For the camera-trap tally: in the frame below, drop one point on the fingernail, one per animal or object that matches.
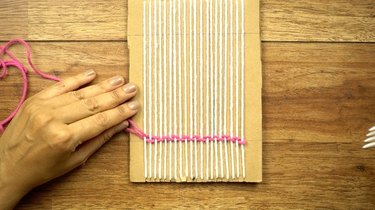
(133, 105)
(117, 80)
(89, 73)
(129, 88)
(123, 125)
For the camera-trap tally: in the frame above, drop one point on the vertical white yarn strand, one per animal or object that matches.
(243, 88)
(207, 88)
(237, 95)
(179, 87)
(174, 89)
(212, 87)
(185, 95)
(221, 111)
(201, 86)
(225, 87)
(150, 84)
(195, 89)
(165, 89)
(231, 88)
(170, 85)
(155, 93)
(215, 89)
(191, 86)
(160, 92)
(144, 88)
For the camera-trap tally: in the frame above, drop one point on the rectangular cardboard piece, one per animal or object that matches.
(253, 87)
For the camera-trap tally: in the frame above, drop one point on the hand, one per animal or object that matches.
(58, 129)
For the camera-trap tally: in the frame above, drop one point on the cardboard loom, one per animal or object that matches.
(253, 87)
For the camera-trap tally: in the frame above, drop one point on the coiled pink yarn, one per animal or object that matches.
(14, 62)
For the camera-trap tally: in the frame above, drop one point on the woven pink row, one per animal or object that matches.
(134, 129)
(14, 62)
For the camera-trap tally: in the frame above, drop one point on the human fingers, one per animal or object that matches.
(86, 150)
(87, 92)
(94, 125)
(90, 106)
(66, 85)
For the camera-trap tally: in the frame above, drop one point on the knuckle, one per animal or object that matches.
(122, 111)
(116, 95)
(75, 80)
(77, 94)
(62, 135)
(41, 118)
(102, 87)
(61, 139)
(106, 137)
(75, 146)
(91, 104)
(101, 119)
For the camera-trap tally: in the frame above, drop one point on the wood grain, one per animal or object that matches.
(320, 92)
(13, 26)
(318, 20)
(290, 20)
(318, 101)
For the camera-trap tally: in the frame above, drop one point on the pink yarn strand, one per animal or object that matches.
(14, 62)
(134, 129)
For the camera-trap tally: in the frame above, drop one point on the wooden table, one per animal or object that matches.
(318, 102)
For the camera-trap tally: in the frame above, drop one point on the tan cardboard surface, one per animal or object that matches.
(253, 85)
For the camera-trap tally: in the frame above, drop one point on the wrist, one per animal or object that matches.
(10, 193)
(9, 196)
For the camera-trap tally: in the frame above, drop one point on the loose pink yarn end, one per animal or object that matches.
(134, 129)
(14, 62)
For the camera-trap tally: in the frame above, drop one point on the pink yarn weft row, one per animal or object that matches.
(134, 129)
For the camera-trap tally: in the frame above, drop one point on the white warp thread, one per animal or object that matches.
(165, 87)
(191, 95)
(150, 84)
(243, 86)
(144, 88)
